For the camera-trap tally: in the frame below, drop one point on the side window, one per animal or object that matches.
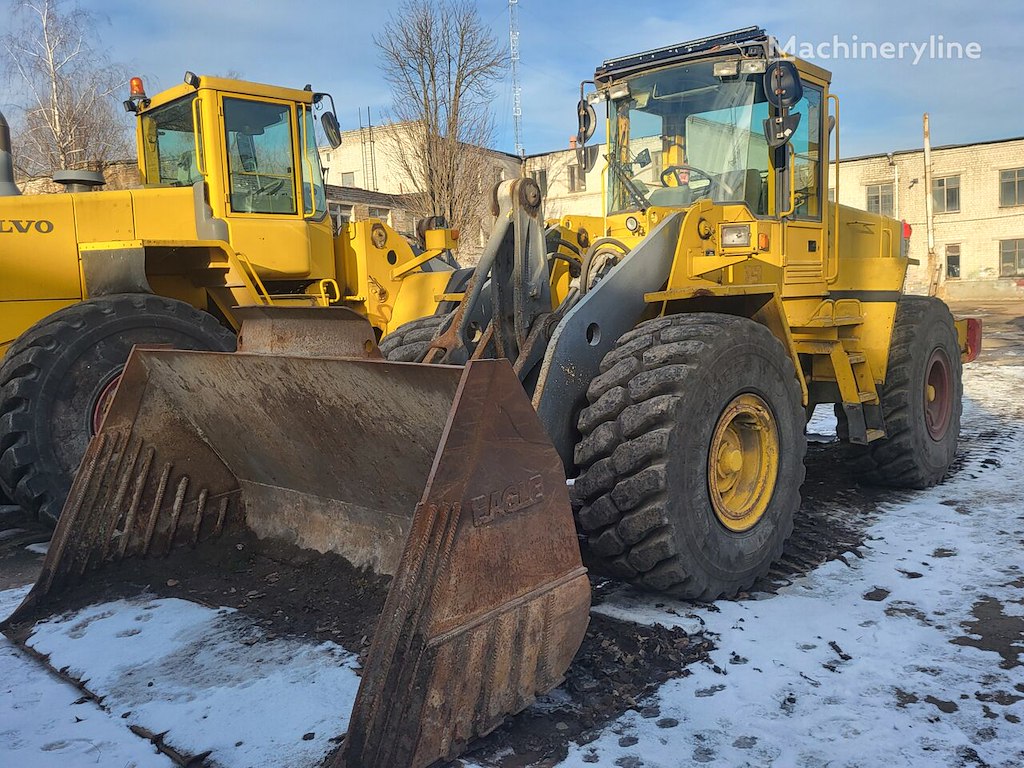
(806, 155)
(259, 141)
(169, 145)
(314, 196)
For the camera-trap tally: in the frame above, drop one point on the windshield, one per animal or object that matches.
(683, 135)
(169, 144)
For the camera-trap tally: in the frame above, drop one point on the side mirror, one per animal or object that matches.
(587, 121)
(782, 86)
(783, 89)
(331, 129)
(644, 158)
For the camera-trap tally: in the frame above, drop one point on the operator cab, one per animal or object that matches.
(723, 119)
(265, 140)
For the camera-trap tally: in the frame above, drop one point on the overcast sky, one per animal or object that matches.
(330, 45)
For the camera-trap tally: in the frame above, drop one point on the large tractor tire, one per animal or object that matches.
(409, 342)
(57, 379)
(922, 400)
(691, 457)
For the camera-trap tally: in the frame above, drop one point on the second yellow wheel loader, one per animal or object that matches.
(232, 212)
(663, 356)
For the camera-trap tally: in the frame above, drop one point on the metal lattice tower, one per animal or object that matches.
(517, 91)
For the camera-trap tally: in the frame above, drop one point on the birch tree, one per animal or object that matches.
(66, 93)
(442, 63)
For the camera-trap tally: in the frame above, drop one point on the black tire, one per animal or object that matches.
(643, 493)
(409, 342)
(911, 456)
(54, 376)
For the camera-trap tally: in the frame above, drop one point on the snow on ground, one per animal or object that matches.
(209, 676)
(872, 663)
(43, 725)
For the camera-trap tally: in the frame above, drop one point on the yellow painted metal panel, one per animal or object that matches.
(38, 253)
(18, 316)
(104, 216)
(164, 213)
(416, 297)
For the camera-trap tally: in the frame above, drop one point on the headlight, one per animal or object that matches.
(735, 235)
(726, 68)
(379, 235)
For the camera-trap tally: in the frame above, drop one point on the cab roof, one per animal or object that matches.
(750, 41)
(226, 85)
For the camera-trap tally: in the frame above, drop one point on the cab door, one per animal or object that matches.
(801, 200)
(263, 191)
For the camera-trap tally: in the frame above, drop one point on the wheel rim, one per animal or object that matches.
(102, 403)
(938, 394)
(743, 462)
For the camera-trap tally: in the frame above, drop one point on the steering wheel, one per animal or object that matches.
(272, 187)
(712, 181)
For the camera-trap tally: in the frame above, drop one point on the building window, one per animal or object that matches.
(541, 177)
(348, 179)
(1011, 187)
(1011, 258)
(577, 179)
(946, 194)
(880, 199)
(341, 215)
(953, 261)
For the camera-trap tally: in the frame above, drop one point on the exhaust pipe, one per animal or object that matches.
(7, 185)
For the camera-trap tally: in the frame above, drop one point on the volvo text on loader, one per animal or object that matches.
(232, 213)
(663, 356)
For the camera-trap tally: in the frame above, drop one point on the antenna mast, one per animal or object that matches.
(517, 91)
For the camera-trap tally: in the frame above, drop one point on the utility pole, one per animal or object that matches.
(517, 91)
(933, 266)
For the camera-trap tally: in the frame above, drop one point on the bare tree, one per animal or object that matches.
(66, 90)
(442, 62)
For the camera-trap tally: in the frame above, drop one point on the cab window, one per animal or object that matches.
(260, 160)
(169, 145)
(806, 155)
(314, 196)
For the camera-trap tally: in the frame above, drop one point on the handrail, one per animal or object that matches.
(197, 135)
(263, 295)
(791, 162)
(308, 164)
(833, 275)
(329, 287)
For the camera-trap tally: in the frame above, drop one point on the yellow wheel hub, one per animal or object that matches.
(743, 462)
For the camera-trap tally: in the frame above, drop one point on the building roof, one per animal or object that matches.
(938, 148)
(357, 195)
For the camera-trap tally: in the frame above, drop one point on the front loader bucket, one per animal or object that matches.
(441, 478)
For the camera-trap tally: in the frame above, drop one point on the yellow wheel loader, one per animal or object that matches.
(232, 213)
(662, 356)
(675, 346)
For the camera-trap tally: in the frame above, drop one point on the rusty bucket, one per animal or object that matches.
(440, 477)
